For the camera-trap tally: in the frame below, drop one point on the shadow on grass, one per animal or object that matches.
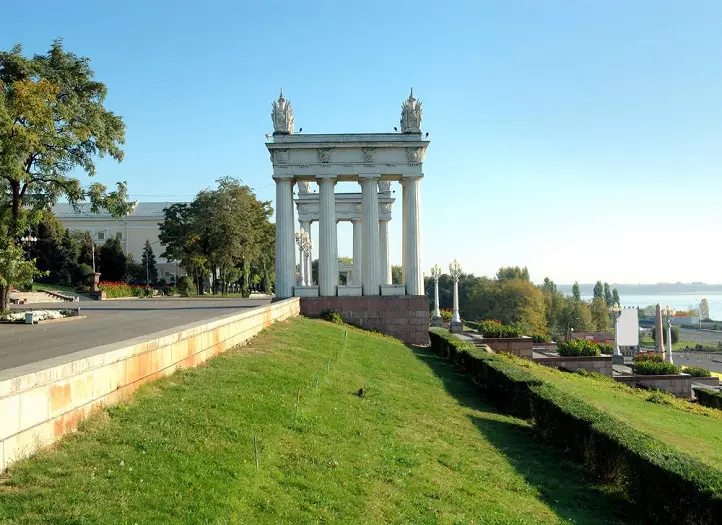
(562, 484)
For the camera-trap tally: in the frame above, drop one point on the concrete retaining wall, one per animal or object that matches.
(600, 365)
(42, 401)
(679, 385)
(404, 317)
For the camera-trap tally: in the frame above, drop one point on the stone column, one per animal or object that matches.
(327, 248)
(301, 267)
(370, 223)
(308, 281)
(404, 209)
(412, 229)
(285, 252)
(357, 251)
(385, 251)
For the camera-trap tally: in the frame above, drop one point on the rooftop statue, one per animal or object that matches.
(282, 116)
(411, 115)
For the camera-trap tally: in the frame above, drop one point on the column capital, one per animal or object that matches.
(368, 176)
(325, 177)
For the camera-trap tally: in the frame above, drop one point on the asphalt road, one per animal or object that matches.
(707, 337)
(107, 322)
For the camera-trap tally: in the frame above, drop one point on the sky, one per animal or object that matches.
(582, 139)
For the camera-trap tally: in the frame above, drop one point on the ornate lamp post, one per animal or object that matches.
(616, 312)
(301, 240)
(435, 274)
(307, 247)
(669, 314)
(455, 271)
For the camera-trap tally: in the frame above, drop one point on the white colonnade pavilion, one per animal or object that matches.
(373, 160)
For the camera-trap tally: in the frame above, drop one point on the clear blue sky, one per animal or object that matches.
(567, 136)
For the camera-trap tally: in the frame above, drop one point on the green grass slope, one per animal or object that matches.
(418, 447)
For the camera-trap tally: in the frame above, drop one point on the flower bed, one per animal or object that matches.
(578, 348)
(18, 316)
(115, 290)
(653, 368)
(697, 371)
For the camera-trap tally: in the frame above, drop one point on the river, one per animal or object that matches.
(679, 302)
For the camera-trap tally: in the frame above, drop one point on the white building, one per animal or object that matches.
(142, 224)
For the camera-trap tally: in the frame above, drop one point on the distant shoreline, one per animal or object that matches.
(650, 289)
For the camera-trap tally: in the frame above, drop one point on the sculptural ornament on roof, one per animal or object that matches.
(282, 116)
(411, 115)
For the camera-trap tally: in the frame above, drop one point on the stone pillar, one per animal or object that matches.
(412, 229)
(370, 223)
(301, 267)
(357, 251)
(306, 225)
(327, 248)
(385, 251)
(404, 208)
(285, 252)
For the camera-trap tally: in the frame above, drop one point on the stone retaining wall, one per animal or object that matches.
(518, 346)
(42, 401)
(680, 385)
(600, 365)
(404, 317)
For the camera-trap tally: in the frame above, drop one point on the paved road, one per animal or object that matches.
(107, 322)
(707, 337)
(707, 360)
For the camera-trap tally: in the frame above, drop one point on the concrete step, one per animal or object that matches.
(34, 297)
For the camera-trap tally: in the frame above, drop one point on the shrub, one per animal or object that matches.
(605, 348)
(649, 357)
(332, 316)
(169, 290)
(186, 287)
(446, 314)
(578, 348)
(708, 398)
(653, 368)
(697, 371)
(116, 289)
(541, 338)
(494, 329)
(670, 486)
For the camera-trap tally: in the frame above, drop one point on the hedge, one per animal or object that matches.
(494, 329)
(578, 348)
(708, 398)
(670, 486)
(653, 368)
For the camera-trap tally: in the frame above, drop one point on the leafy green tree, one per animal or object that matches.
(15, 270)
(148, 263)
(397, 274)
(52, 122)
(113, 263)
(134, 271)
(598, 290)
(576, 293)
(512, 272)
(675, 334)
(600, 314)
(607, 295)
(69, 271)
(615, 297)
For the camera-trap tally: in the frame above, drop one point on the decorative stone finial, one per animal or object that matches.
(411, 115)
(282, 116)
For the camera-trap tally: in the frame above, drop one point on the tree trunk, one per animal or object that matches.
(4, 297)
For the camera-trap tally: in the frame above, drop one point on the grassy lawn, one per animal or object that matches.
(420, 446)
(41, 286)
(694, 433)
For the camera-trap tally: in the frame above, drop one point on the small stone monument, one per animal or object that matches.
(456, 325)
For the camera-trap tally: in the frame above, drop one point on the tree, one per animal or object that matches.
(15, 269)
(607, 295)
(512, 272)
(113, 264)
(704, 309)
(218, 231)
(53, 121)
(615, 297)
(397, 275)
(598, 290)
(675, 334)
(576, 293)
(148, 262)
(600, 314)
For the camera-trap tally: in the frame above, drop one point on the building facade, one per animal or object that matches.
(132, 230)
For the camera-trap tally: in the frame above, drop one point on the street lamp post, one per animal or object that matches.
(435, 274)
(455, 271)
(669, 314)
(617, 312)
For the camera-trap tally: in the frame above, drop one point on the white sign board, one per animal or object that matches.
(628, 327)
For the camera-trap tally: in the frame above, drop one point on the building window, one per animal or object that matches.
(101, 236)
(119, 236)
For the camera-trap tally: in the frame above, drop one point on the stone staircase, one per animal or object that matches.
(38, 297)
